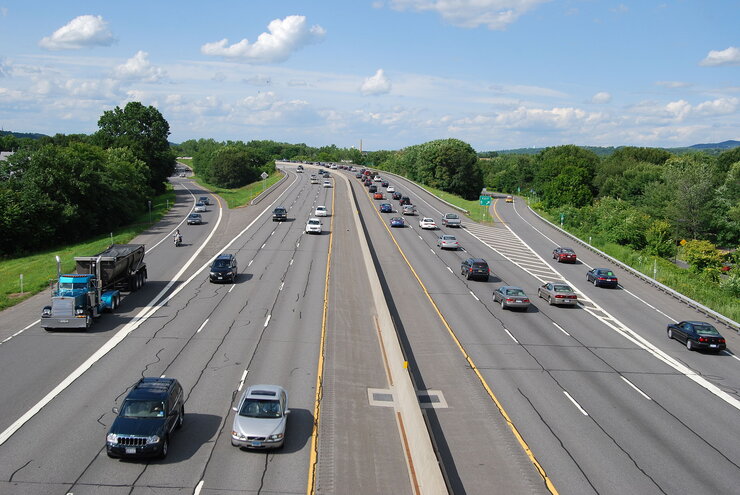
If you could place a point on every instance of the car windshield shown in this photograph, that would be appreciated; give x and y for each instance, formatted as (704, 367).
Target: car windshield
(429, 220)
(515, 292)
(567, 251)
(448, 238)
(260, 408)
(608, 273)
(562, 288)
(451, 216)
(220, 264)
(142, 409)
(313, 222)
(705, 330)
(279, 210)
(194, 215)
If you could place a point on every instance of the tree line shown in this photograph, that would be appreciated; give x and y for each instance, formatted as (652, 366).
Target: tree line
(65, 188)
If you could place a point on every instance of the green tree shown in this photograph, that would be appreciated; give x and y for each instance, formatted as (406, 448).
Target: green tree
(691, 181)
(702, 255)
(236, 166)
(145, 131)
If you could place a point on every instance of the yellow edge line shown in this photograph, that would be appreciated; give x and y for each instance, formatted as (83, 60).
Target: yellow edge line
(313, 459)
(548, 483)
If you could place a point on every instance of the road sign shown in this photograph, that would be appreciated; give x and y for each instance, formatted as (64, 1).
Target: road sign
(485, 200)
(264, 175)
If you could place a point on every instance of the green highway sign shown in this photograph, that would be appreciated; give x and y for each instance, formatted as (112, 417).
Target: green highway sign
(485, 201)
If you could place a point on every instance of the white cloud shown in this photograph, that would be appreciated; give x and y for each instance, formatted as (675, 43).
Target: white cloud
(673, 84)
(495, 14)
(285, 37)
(376, 85)
(601, 97)
(81, 32)
(728, 56)
(258, 80)
(138, 67)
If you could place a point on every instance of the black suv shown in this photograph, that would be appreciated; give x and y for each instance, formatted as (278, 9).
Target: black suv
(224, 268)
(475, 268)
(151, 411)
(279, 214)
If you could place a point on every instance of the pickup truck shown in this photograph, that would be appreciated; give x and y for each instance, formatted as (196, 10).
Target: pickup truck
(451, 220)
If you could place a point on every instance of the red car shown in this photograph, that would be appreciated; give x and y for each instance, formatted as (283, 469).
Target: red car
(564, 255)
(378, 195)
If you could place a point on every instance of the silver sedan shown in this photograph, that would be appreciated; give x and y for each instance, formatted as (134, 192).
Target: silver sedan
(557, 293)
(448, 242)
(511, 297)
(261, 417)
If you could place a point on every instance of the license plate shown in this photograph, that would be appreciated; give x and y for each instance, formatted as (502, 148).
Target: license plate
(63, 321)
(256, 444)
(712, 345)
(220, 278)
(130, 450)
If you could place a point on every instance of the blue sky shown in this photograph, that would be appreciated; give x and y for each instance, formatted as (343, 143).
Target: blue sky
(498, 74)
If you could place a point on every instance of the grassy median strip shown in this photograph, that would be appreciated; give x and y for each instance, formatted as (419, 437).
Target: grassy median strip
(40, 268)
(476, 212)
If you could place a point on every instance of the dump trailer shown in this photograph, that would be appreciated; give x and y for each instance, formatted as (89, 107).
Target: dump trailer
(80, 297)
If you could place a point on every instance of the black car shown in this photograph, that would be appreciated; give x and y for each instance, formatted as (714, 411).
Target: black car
(195, 219)
(602, 277)
(697, 335)
(359, 176)
(224, 268)
(150, 413)
(405, 200)
(397, 195)
(279, 214)
(475, 268)
(384, 183)
(372, 188)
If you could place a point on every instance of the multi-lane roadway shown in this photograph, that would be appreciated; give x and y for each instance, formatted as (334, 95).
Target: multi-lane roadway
(591, 399)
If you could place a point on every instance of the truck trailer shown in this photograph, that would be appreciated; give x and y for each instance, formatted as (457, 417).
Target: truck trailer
(96, 286)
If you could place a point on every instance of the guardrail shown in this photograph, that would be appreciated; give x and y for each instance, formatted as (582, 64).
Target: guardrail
(267, 191)
(732, 324)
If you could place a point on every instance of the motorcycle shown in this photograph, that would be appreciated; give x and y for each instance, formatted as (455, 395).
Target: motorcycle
(178, 240)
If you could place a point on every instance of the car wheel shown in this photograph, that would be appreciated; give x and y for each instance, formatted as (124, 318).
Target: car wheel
(670, 333)
(503, 304)
(180, 418)
(88, 320)
(595, 284)
(165, 448)
(689, 345)
(549, 300)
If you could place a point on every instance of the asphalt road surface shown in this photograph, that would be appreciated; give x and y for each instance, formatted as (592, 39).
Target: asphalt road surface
(590, 399)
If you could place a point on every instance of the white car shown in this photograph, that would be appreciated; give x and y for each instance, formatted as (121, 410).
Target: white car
(321, 211)
(333, 166)
(427, 223)
(327, 183)
(391, 189)
(313, 226)
(200, 207)
(377, 179)
(314, 179)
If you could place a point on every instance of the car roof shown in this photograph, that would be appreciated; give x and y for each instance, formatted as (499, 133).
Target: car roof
(224, 256)
(476, 260)
(151, 388)
(264, 391)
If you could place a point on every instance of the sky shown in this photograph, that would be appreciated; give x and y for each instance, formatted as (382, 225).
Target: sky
(381, 74)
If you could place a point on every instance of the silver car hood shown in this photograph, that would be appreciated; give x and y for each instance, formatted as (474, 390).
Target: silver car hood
(259, 427)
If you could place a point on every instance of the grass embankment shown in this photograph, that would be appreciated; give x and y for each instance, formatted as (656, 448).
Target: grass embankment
(40, 268)
(476, 212)
(682, 280)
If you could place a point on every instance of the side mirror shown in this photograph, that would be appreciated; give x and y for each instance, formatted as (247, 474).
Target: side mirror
(115, 410)
(287, 411)
(234, 409)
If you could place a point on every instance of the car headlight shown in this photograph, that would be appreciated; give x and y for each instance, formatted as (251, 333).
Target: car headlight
(276, 436)
(46, 312)
(237, 435)
(214, 274)
(112, 438)
(79, 311)
(152, 439)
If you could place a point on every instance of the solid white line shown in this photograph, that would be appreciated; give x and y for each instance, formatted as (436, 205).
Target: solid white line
(561, 329)
(635, 387)
(420, 237)
(476, 297)
(271, 233)
(512, 337)
(268, 319)
(450, 269)
(432, 250)
(198, 487)
(576, 403)
(647, 303)
(204, 324)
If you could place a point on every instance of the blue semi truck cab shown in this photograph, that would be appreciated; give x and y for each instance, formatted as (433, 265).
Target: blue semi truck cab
(78, 298)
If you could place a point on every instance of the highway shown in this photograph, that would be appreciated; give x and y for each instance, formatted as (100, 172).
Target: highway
(591, 399)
